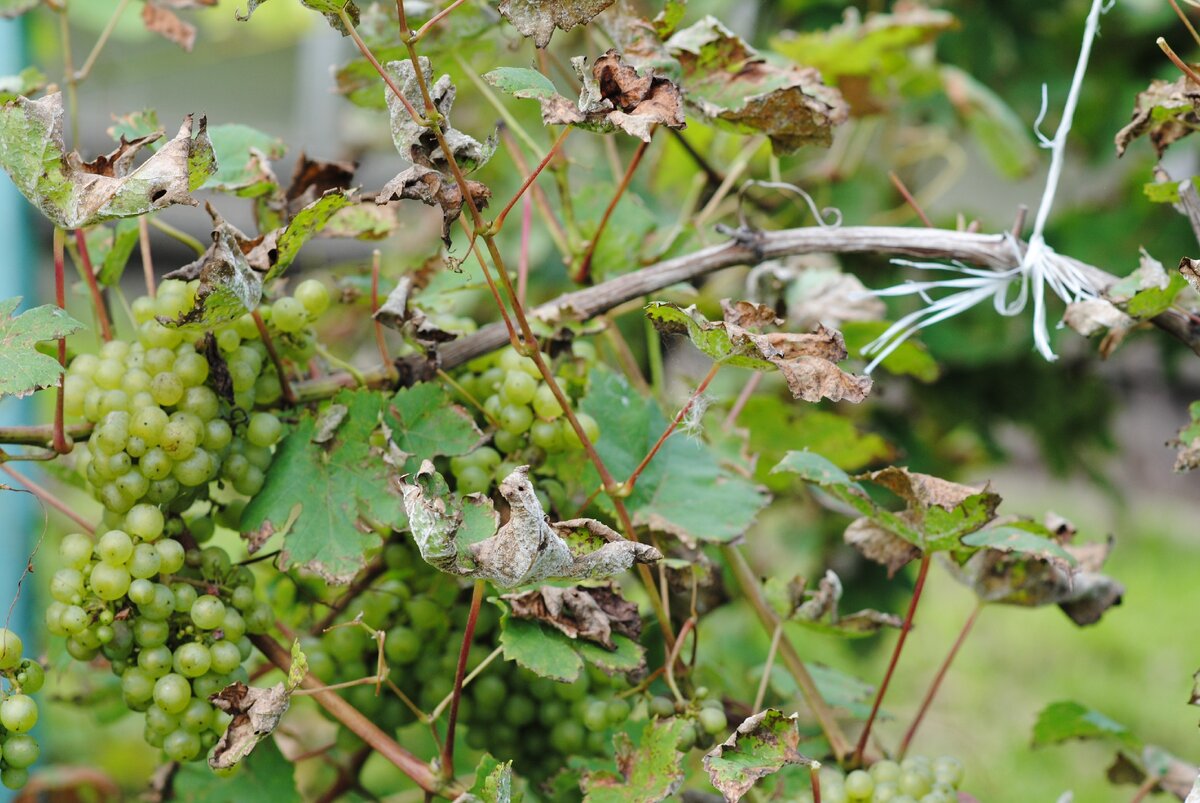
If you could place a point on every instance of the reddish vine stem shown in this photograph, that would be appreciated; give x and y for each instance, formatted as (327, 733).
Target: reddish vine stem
(814, 778)
(583, 275)
(1186, 22)
(887, 677)
(59, 440)
(434, 20)
(498, 223)
(937, 681)
(147, 258)
(369, 56)
(347, 776)
(360, 584)
(359, 725)
(289, 396)
(1144, 789)
(459, 674)
(909, 198)
(523, 254)
(46, 496)
(742, 399)
(637, 472)
(380, 342)
(1178, 62)
(555, 229)
(89, 276)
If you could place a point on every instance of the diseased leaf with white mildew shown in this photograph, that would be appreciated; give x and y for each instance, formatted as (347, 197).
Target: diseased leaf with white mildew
(548, 652)
(592, 613)
(326, 498)
(493, 783)
(762, 745)
(729, 82)
(434, 188)
(329, 8)
(73, 193)
(646, 773)
(417, 142)
(23, 369)
(229, 285)
(527, 549)
(26, 82)
(539, 18)
(1166, 111)
(808, 362)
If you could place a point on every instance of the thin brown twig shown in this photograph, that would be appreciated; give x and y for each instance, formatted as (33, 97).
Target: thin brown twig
(369, 56)
(147, 257)
(553, 227)
(637, 472)
(583, 273)
(83, 72)
(1186, 22)
(459, 673)
(865, 736)
(673, 656)
(743, 398)
(937, 681)
(434, 20)
(361, 583)
(523, 253)
(285, 386)
(498, 223)
(46, 496)
(909, 198)
(59, 440)
(380, 341)
(89, 277)
(1178, 62)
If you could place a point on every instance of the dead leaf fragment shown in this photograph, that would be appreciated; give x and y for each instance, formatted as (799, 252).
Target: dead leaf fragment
(592, 613)
(538, 18)
(416, 142)
(762, 745)
(256, 712)
(923, 490)
(877, 544)
(168, 25)
(434, 188)
(1166, 110)
(229, 284)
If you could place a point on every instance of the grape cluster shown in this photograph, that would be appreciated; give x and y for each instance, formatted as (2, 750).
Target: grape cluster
(18, 711)
(171, 621)
(162, 430)
(916, 779)
(527, 419)
(703, 722)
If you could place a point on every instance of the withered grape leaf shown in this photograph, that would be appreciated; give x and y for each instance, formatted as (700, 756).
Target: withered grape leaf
(539, 18)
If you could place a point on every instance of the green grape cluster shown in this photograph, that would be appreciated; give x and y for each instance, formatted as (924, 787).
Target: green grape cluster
(18, 711)
(917, 779)
(162, 431)
(171, 621)
(527, 419)
(704, 722)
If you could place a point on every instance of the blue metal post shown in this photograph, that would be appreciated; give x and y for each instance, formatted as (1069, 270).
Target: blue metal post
(17, 510)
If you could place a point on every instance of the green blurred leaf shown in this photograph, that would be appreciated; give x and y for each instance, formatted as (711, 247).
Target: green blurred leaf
(551, 654)
(136, 124)
(114, 251)
(327, 498)
(426, 422)
(1064, 720)
(23, 369)
(240, 151)
(521, 82)
(909, 359)
(26, 82)
(777, 427)
(1001, 134)
(762, 745)
(647, 772)
(264, 775)
(1025, 538)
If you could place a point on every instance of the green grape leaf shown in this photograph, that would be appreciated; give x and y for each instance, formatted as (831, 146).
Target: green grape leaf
(727, 81)
(539, 18)
(26, 82)
(413, 140)
(493, 783)
(425, 422)
(624, 240)
(780, 427)
(664, 497)
(330, 9)
(73, 193)
(115, 246)
(15, 8)
(1024, 538)
(1166, 111)
(549, 653)
(584, 613)
(909, 359)
(243, 156)
(818, 470)
(1064, 720)
(762, 745)
(876, 46)
(24, 369)
(650, 771)
(808, 361)
(367, 220)
(281, 246)
(1148, 290)
(136, 125)
(522, 82)
(265, 775)
(334, 493)
(842, 690)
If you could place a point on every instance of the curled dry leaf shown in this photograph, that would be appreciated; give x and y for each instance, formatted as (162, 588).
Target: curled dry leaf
(526, 549)
(726, 80)
(167, 24)
(229, 285)
(762, 745)
(807, 361)
(1095, 315)
(255, 711)
(434, 188)
(882, 546)
(417, 142)
(1190, 269)
(922, 490)
(592, 613)
(74, 193)
(328, 8)
(819, 610)
(615, 96)
(400, 313)
(1166, 111)
(538, 18)
(816, 291)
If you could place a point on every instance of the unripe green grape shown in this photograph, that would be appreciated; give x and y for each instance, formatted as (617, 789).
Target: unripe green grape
(235, 467)
(155, 464)
(66, 586)
(194, 470)
(288, 315)
(115, 547)
(135, 446)
(178, 440)
(515, 419)
(473, 479)
(81, 650)
(267, 388)
(73, 620)
(156, 661)
(170, 555)
(164, 491)
(235, 625)
(260, 457)
(181, 745)
(158, 360)
(185, 596)
(84, 365)
(915, 782)
(948, 770)
(859, 785)
(567, 736)
(208, 612)
(141, 590)
(313, 296)
(160, 721)
(166, 388)
(108, 581)
(225, 657)
(712, 721)
(518, 389)
(191, 368)
(217, 435)
(74, 389)
(144, 562)
(228, 340)
(686, 739)
(31, 676)
(215, 563)
(546, 435)
(201, 402)
(251, 483)
(108, 374)
(136, 381)
(504, 469)
(197, 717)
(242, 597)
(145, 521)
(595, 716)
(510, 360)
(545, 404)
(403, 645)
(192, 659)
(172, 693)
(264, 429)
(18, 713)
(508, 442)
(14, 778)
(154, 335)
(113, 432)
(886, 771)
(21, 751)
(161, 607)
(76, 550)
(150, 632)
(132, 485)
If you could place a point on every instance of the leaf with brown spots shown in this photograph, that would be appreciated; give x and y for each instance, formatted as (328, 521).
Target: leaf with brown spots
(167, 24)
(1166, 111)
(592, 613)
(434, 188)
(538, 19)
(762, 745)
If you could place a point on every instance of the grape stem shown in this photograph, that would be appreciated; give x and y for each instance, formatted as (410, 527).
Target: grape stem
(365, 729)
(459, 674)
(814, 778)
(766, 675)
(361, 583)
(380, 341)
(46, 496)
(434, 20)
(59, 441)
(937, 681)
(922, 572)
(89, 277)
(289, 395)
(147, 257)
(669, 666)
(437, 712)
(683, 411)
(583, 273)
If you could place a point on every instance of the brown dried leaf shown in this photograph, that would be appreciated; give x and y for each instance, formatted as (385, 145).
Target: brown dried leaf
(416, 142)
(168, 25)
(1167, 110)
(924, 490)
(1096, 315)
(880, 545)
(433, 188)
(762, 745)
(312, 178)
(591, 613)
(539, 18)
(397, 313)
(616, 96)
(1190, 269)
(229, 284)
(256, 712)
